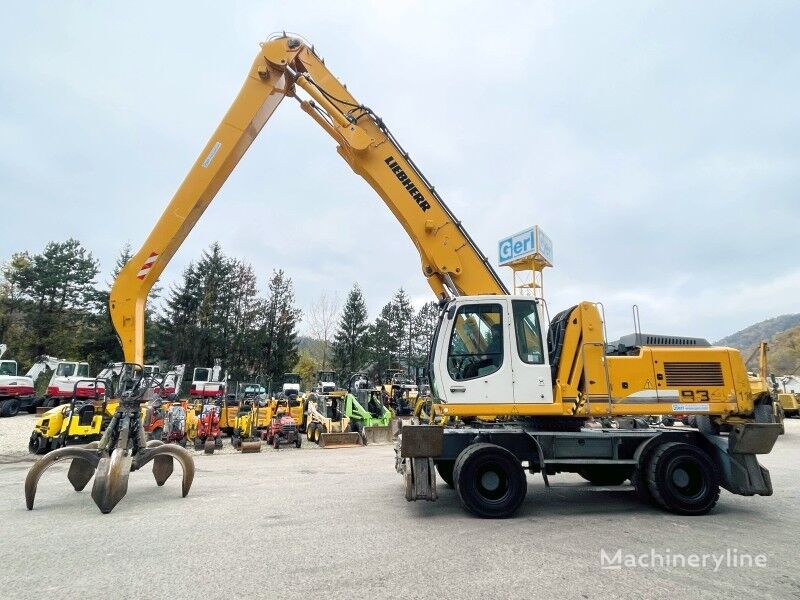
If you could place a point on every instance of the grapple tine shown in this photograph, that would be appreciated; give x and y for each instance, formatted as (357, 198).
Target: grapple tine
(80, 472)
(39, 467)
(111, 480)
(160, 454)
(162, 468)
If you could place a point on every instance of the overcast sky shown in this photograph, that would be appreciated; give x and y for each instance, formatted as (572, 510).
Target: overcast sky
(658, 144)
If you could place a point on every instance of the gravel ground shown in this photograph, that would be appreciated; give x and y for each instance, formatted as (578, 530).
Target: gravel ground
(315, 523)
(14, 434)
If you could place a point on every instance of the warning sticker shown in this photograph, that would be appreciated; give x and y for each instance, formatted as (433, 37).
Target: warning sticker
(148, 264)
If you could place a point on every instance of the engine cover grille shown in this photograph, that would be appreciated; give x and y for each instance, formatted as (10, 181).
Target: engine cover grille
(683, 374)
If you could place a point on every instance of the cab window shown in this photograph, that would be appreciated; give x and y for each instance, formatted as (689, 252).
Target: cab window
(476, 343)
(8, 367)
(65, 370)
(526, 326)
(83, 370)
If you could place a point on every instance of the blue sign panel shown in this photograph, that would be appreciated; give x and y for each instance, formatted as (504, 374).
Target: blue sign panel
(524, 244)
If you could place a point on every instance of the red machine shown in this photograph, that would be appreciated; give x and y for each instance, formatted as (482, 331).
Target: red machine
(208, 432)
(282, 430)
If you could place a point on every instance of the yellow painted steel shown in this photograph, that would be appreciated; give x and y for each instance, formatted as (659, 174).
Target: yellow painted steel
(283, 64)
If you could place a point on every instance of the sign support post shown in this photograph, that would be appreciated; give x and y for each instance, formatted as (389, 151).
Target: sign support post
(527, 253)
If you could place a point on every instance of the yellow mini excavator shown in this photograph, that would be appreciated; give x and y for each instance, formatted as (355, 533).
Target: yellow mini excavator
(493, 354)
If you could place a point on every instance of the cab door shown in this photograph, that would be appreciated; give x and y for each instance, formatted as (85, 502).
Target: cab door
(473, 362)
(532, 379)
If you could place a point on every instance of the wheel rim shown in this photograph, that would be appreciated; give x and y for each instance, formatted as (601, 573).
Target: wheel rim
(491, 482)
(685, 478)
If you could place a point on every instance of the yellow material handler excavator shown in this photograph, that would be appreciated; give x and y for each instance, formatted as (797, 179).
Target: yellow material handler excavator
(493, 354)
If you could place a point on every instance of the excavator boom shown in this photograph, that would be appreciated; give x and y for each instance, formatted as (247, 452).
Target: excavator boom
(451, 262)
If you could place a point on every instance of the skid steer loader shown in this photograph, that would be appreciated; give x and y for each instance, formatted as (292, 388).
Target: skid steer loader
(368, 416)
(327, 425)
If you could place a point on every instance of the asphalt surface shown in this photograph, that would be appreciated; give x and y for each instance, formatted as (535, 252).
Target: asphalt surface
(314, 523)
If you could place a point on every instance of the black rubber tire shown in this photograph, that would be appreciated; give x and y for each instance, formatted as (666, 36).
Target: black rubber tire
(480, 464)
(236, 441)
(705, 424)
(218, 443)
(668, 421)
(198, 443)
(10, 408)
(309, 432)
(606, 474)
(276, 442)
(683, 479)
(445, 470)
(359, 429)
(37, 444)
(298, 441)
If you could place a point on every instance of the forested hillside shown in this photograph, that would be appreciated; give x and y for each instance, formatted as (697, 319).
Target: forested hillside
(781, 333)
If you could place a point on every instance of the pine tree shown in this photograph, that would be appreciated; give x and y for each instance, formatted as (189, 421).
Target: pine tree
(382, 346)
(401, 329)
(103, 346)
(278, 334)
(350, 341)
(425, 322)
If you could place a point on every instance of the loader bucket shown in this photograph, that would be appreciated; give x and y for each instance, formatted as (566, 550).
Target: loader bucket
(250, 447)
(339, 440)
(378, 434)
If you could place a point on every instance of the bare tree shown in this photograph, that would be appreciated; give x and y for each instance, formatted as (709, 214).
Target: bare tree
(322, 320)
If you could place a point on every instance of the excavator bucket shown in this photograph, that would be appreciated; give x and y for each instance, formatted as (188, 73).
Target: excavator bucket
(250, 447)
(378, 434)
(339, 440)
